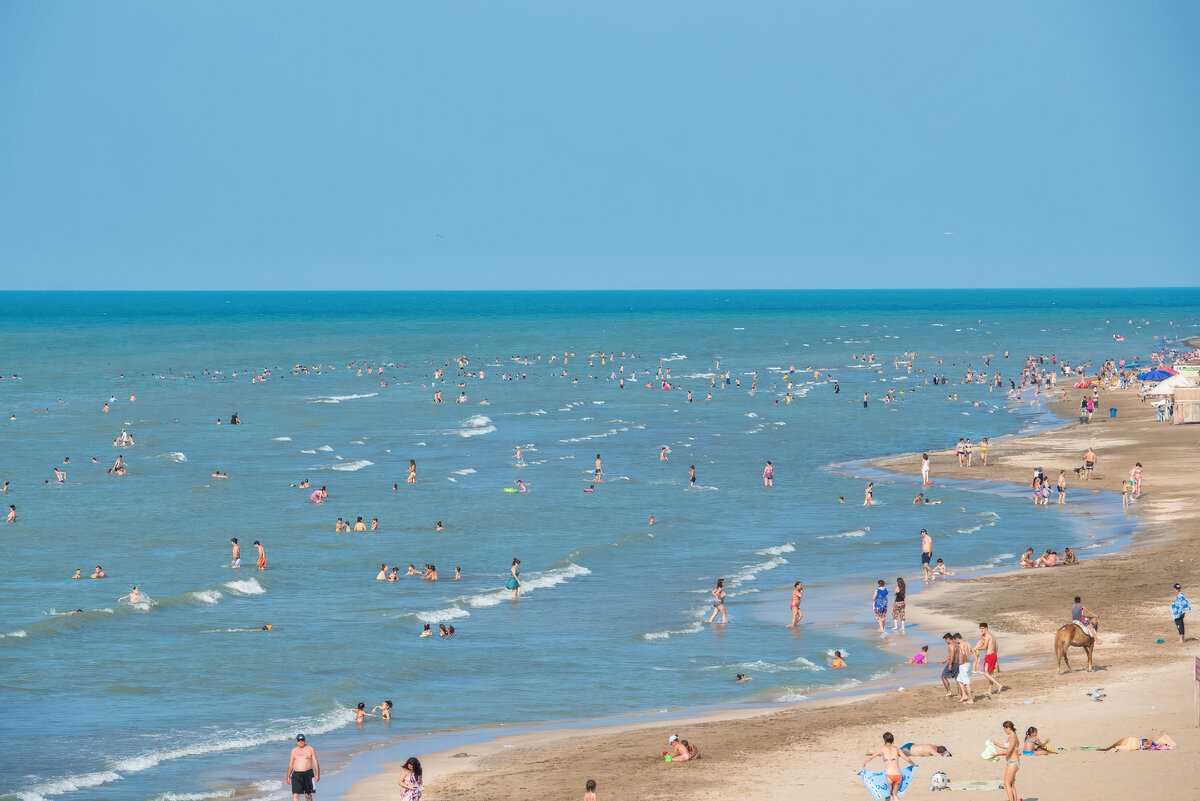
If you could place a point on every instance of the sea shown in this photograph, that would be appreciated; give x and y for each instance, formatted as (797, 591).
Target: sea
(184, 696)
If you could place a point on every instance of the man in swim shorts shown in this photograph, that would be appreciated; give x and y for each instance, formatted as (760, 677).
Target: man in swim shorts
(964, 670)
(237, 553)
(950, 671)
(303, 770)
(926, 554)
(924, 749)
(987, 646)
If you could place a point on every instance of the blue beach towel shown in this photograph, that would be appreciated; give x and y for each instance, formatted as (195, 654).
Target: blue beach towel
(877, 785)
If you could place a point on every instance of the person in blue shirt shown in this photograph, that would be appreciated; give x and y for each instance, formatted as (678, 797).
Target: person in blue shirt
(1179, 608)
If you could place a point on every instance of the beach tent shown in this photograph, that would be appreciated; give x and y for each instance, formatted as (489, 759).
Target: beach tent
(1156, 375)
(1167, 387)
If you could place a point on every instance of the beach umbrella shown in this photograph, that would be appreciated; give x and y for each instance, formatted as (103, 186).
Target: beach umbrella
(1155, 375)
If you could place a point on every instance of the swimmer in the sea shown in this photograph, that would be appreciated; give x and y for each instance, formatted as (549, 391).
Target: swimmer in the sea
(384, 710)
(237, 553)
(382, 576)
(374, 524)
(77, 572)
(662, 454)
(841, 499)
(134, 597)
(837, 662)
(360, 712)
(99, 573)
(457, 572)
(395, 574)
(523, 487)
(412, 571)
(439, 526)
(12, 514)
(261, 562)
(426, 632)
(359, 525)
(60, 475)
(743, 677)
(867, 499)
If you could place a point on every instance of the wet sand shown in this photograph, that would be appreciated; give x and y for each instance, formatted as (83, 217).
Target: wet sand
(814, 748)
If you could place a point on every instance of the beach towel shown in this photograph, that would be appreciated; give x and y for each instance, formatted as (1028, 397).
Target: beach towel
(877, 785)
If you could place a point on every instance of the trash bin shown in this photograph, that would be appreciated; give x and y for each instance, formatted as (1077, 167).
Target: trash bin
(1112, 412)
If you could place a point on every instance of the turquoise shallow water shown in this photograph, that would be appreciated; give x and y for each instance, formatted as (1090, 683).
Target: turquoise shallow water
(178, 696)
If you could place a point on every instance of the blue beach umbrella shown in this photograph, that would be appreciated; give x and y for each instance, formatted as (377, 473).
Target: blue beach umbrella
(1155, 375)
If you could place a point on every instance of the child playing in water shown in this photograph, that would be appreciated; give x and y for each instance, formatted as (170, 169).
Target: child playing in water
(919, 658)
(360, 712)
(837, 662)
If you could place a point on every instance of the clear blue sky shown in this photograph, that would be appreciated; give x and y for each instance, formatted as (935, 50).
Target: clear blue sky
(645, 144)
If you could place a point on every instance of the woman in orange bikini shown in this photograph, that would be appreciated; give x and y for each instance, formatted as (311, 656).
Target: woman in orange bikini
(891, 762)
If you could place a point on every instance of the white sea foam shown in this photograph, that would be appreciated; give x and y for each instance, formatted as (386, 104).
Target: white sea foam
(537, 581)
(787, 547)
(246, 587)
(750, 572)
(208, 596)
(68, 784)
(442, 615)
(474, 426)
(340, 398)
(174, 456)
(18, 633)
(858, 532)
(674, 357)
(275, 439)
(464, 472)
(192, 796)
(790, 698)
(325, 448)
(308, 451)
(694, 628)
(352, 466)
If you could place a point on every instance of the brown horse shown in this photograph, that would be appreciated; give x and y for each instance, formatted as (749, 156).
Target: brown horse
(1072, 636)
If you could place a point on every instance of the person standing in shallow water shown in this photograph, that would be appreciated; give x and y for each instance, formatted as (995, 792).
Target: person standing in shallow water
(514, 580)
(768, 475)
(718, 594)
(797, 597)
(879, 603)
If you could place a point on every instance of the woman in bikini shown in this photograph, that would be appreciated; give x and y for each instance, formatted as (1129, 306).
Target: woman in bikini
(891, 763)
(1012, 758)
(718, 594)
(412, 471)
(797, 596)
(1062, 486)
(1034, 744)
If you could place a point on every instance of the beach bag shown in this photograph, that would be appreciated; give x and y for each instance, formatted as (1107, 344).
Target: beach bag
(939, 781)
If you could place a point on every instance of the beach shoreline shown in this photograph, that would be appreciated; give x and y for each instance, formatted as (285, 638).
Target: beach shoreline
(457, 773)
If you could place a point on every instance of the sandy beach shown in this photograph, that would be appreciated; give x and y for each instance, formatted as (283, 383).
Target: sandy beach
(814, 748)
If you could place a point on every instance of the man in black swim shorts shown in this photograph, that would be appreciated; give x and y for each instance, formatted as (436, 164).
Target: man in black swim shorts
(303, 770)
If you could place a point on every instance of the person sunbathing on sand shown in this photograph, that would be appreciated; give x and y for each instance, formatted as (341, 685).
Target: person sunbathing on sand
(924, 749)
